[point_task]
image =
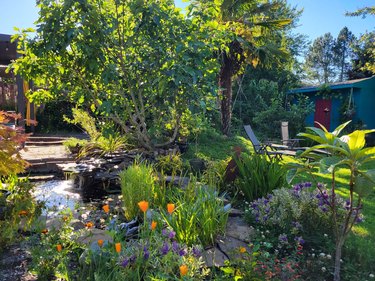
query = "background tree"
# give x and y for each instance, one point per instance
(141, 64)
(319, 61)
(343, 52)
(368, 52)
(363, 61)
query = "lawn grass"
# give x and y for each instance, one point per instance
(212, 146)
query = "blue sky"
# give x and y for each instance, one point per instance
(319, 17)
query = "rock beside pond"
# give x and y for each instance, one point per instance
(93, 235)
(214, 257)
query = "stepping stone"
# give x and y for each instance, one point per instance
(239, 229)
(231, 247)
(214, 257)
(93, 235)
(236, 213)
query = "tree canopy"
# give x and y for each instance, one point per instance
(140, 63)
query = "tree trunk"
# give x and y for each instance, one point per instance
(339, 245)
(225, 93)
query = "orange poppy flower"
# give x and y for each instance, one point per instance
(106, 208)
(22, 213)
(118, 247)
(89, 224)
(44, 231)
(242, 250)
(183, 270)
(153, 225)
(100, 242)
(143, 205)
(58, 247)
(170, 208)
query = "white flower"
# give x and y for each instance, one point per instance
(324, 269)
(371, 275)
(329, 257)
(263, 236)
(325, 235)
(313, 255)
(341, 261)
(322, 255)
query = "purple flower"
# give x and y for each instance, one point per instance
(347, 205)
(182, 252)
(359, 219)
(320, 185)
(283, 238)
(299, 240)
(164, 232)
(296, 224)
(172, 234)
(146, 253)
(165, 249)
(196, 252)
(175, 246)
(125, 262)
(308, 184)
(132, 259)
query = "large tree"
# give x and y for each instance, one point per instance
(343, 52)
(249, 25)
(142, 64)
(319, 60)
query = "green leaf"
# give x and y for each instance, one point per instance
(356, 140)
(327, 164)
(338, 130)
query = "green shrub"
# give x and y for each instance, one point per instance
(170, 164)
(74, 145)
(137, 184)
(258, 176)
(19, 211)
(199, 215)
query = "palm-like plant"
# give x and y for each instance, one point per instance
(251, 26)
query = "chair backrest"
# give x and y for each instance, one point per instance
(284, 132)
(250, 133)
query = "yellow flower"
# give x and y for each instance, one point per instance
(242, 250)
(153, 225)
(170, 208)
(44, 231)
(58, 247)
(183, 270)
(100, 242)
(106, 208)
(118, 247)
(143, 205)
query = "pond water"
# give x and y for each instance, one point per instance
(58, 195)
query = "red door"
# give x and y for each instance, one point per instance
(323, 112)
